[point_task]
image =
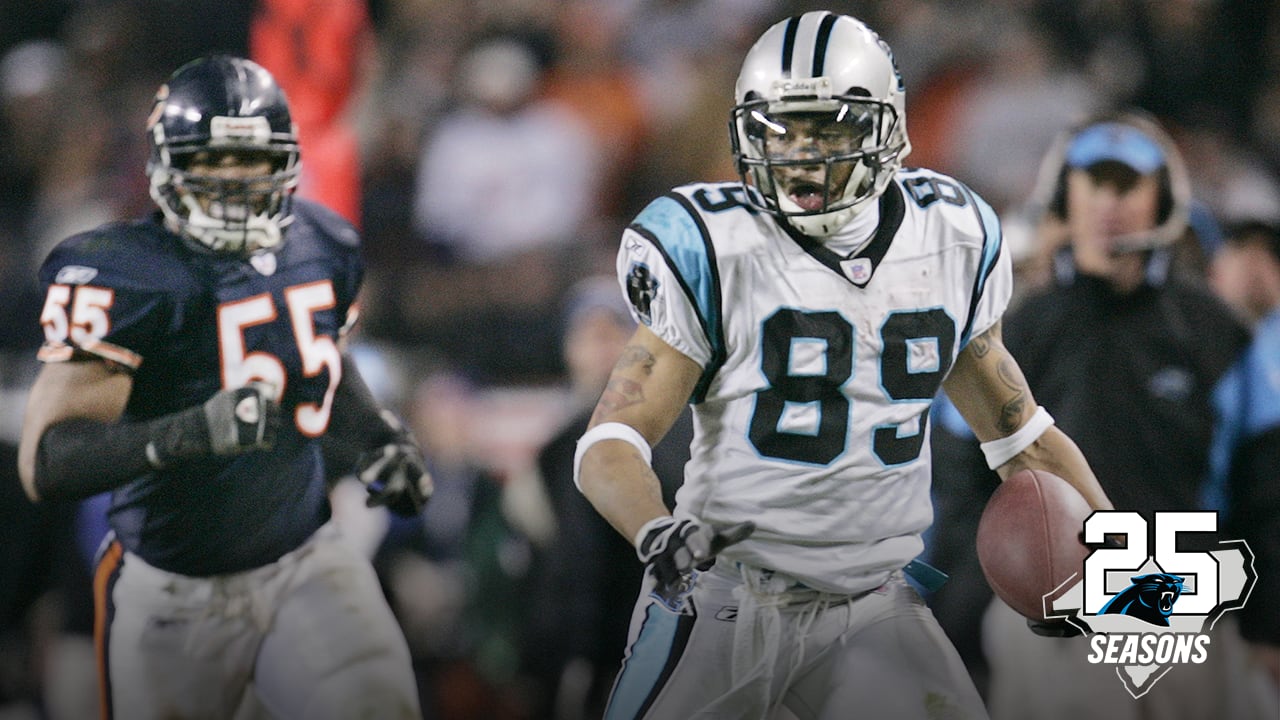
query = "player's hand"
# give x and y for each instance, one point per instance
(1110, 541)
(242, 419)
(1053, 628)
(672, 549)
(229, 423)
(396, 476)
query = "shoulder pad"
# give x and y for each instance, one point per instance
(956, 203)
(325, 223)
(138, 255)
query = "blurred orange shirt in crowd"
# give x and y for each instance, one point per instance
(315, 49)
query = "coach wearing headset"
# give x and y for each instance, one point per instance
(1126, 353)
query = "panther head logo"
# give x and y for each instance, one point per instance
(1150, 598)
(642, 288)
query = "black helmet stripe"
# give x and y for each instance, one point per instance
(820, 46)
(789, 44)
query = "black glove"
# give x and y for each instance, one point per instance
(229, 423)
(395, 474)
(672, 549)
(1053, 628)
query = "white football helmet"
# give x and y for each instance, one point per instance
(819, 128)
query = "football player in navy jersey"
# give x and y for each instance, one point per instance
(194, 368)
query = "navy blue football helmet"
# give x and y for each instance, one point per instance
(213, 106)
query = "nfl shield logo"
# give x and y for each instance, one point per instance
(264, 263)
(858, 269)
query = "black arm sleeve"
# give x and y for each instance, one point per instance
(357, 423)
(79, 458)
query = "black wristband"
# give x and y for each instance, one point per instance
(79, 458)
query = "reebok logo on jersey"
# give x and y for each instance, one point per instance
(728, 613)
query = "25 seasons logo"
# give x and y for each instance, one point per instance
(1146, 612)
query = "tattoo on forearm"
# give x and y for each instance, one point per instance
(980, 346)
(1011, 411)
(633, 355)
(620, 393)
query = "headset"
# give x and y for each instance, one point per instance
(1174, 205)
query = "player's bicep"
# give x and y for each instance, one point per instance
(988, 387)
(89, 389)
(649, 386)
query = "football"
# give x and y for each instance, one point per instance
(1029, 539)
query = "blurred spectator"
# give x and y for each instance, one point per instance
(1012, 112)
(586, 579)
(506, 182)
(1231, 179)
(1198, 59)
(1126, 356)
(32, 75)
(454, 576)
(32, 78)
(31, 614)
(320, 52)
(592, 79)
(416, 43)
(1246, 272)
(505, 172)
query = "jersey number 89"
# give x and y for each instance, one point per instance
(903, 378)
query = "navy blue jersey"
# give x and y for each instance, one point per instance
(187, 324)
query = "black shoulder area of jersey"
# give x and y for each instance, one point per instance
(319, 234)
(136, 254)
(327, 224)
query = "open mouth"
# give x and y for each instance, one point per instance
(809, 196)
(1166, 602)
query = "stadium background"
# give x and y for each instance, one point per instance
(491, 151)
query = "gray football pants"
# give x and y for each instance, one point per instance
(746, 644)
(309, 636)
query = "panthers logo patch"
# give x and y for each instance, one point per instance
(642, 288)
(1150, 598)
(1146, 605)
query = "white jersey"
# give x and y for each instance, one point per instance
(811, 417)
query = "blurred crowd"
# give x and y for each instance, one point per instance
(491, 151)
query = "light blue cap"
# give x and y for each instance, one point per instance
(1115, 141)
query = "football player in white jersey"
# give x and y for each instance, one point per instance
(809, 313)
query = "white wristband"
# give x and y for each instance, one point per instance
(1001, 450)
(609, 431)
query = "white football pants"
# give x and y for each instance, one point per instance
(309, 636)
